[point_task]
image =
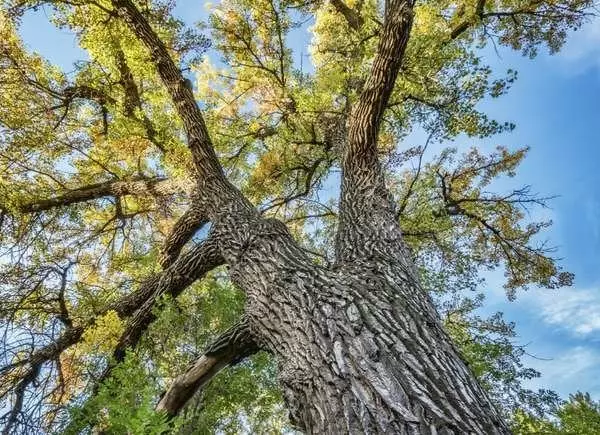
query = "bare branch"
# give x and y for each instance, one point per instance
(230, 348)
(190, 267)
(186, 226)
(155, 186)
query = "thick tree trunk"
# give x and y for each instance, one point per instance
(360, 348)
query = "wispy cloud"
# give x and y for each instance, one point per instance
(582, 50)
(575, 310)
(575, 369)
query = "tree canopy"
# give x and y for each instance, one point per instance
(100, 304)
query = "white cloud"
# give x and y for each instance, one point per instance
(575, 369)
(582, 50)
(575, 310)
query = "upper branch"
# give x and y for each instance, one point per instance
(465, 24)
(186, 226)
(366, 116)
(365, 204)
(133, 99)
(199, 142)
(189, 267)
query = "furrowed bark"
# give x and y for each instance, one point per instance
(231, 347)
(155, 186)
(365, 204)
(360, 348)
(216, 194)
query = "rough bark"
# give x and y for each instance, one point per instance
(191, 266)
(366, 210)
(360, 348)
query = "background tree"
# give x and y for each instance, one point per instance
(121, 199)
(579, 415)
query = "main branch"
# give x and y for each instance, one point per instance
(365, 205)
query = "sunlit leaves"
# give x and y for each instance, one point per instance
(579, 415)
(448, 208)
(278, 128)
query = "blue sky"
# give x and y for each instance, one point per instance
(556, 106)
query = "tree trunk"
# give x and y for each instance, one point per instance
(360, 348)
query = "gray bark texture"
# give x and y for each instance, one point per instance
(359, 345)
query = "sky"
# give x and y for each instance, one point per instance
(556, 106)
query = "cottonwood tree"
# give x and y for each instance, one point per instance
(142, 214)
(580, 414)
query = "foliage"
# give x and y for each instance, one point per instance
(488, 346)
(278, 129)
(123, 404)
(579, 415)
(244, 399)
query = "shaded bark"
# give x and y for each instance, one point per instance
(231, 347)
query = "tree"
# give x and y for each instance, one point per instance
(579, 415)
(120, 191)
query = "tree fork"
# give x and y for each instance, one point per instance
(341, 370)
(360, 348)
